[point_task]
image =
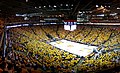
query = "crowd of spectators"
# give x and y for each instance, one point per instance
(33, 42)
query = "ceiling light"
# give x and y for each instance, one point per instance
(80, 12)
(97, 6)
(26, 0)
(44, 6)
(83, 11)
(66, 4)
(39, 6)
(49, 6)
(55, 6)
(118, 8)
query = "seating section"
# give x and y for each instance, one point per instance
(31, 43)
(62, 33)
(1, 30)
(50, 30)
(14, 19)
(105, 61)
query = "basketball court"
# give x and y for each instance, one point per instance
(73, 47)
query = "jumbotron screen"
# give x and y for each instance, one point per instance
(70, 27)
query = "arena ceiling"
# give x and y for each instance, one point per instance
(73, 6)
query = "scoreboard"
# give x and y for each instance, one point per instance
(70, 25)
